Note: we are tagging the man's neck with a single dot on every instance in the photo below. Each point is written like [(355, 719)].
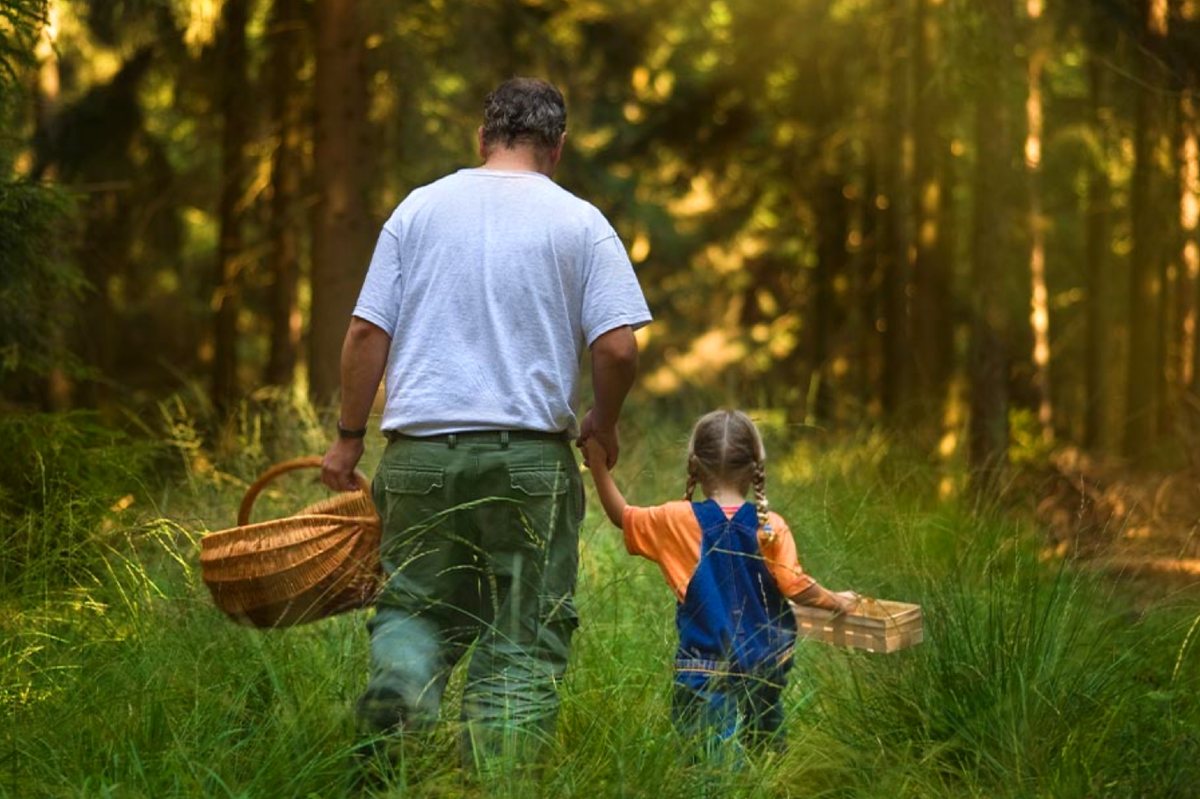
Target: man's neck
[(518, 159)]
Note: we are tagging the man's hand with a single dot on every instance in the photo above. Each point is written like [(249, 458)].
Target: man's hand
[(606, 437), (337, 468)]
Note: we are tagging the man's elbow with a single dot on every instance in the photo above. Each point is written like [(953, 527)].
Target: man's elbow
[(362, 332), (616, 349)]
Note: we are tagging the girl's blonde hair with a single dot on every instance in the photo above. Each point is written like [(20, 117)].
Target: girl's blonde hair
[(725, 446)]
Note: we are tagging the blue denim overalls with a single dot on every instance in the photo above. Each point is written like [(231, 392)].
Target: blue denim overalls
[(736, 637)]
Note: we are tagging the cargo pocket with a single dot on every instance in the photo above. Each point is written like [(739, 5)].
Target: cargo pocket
[(543, 499), (560, 619), (411, 551), (412, 496)]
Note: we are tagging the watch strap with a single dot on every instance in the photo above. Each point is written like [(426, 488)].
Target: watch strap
[(344, 433)]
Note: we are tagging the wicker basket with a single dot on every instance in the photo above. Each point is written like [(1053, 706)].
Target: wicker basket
[(878, 625), (319, 562)]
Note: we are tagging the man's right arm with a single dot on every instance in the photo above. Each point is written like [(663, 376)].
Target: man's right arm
[(614, 366), (364, 359)]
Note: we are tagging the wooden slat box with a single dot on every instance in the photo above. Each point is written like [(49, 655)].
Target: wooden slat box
[(878, 625)]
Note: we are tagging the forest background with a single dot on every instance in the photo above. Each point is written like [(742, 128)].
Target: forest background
[(946, 251)]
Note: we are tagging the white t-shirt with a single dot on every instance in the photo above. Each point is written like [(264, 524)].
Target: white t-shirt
[(491, 284)]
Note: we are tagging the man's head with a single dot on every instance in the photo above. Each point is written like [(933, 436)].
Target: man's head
[(524, 112)]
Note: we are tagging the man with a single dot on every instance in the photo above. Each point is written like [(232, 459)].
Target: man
[(484, 288)]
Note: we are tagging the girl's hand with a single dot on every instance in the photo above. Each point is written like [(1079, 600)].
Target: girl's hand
[(847, 601), (595, 457), (611, 498)]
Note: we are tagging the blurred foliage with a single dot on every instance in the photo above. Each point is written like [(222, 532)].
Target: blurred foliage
[(65, 481), (23, 21), (33, 280), (746, 151), (36, 270)]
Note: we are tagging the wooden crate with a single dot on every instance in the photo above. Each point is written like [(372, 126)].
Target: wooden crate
[(878, 625)]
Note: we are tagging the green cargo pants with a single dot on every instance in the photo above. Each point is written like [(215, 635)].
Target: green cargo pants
[(480, 542)]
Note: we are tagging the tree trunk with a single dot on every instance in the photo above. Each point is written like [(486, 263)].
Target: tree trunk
[(59, 387), (235, 110), (931, 329), (865, 293), (1145, 288), (342, 231), (1039, 316), (831, 262), (1189, 226), (992, 257), (287, 30), (1098, 244), (1189, 218), (895, 225)]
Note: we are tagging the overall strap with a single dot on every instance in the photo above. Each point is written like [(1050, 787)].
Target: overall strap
[(709, 515)]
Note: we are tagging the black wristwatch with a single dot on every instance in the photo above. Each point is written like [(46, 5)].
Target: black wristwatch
[(344, 433)]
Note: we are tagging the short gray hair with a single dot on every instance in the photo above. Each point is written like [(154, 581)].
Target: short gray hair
[(524, 111)]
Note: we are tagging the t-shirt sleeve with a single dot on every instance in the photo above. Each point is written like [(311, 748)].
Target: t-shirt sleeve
[(640, 526), (612, 297), (782, 560), (668, 535), (379, 300)]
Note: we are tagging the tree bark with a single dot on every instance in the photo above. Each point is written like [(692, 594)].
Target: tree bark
[(931, 329), (58, 389), (1039, 312), (896, 221), (1189, 218), (992, 255), (1145, 289), (1098, 244), (1189, 224), (831, 262), (865, 293), (235, 115), (342, 230), (287, 30)]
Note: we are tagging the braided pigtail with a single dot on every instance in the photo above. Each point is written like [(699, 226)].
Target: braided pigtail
[(760, 502), (692, 479)]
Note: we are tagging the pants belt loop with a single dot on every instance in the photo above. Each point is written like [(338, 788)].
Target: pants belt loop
[(503, 439), (452, 440)]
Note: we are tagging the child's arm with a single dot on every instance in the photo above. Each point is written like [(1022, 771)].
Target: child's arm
[(780, 553), (610, 496), (818, 597)]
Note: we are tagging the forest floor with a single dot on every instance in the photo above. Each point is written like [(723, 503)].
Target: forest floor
[(1141, 528)]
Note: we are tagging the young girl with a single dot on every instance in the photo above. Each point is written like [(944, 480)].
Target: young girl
[(733, 567)]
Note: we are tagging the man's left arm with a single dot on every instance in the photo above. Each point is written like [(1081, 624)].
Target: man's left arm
[(364, 359)]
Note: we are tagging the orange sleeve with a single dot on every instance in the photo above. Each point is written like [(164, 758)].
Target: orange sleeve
[(782, 560), (639, 525), (667, 534)]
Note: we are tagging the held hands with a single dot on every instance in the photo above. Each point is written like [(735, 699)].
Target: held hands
[(605, 435), (595, 457), (337, 467), (611, 499)]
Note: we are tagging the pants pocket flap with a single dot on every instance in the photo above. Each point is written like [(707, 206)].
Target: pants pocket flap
[(412, 480), (539, 482)]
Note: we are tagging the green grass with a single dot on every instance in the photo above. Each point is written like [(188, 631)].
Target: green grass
[(122, 680)]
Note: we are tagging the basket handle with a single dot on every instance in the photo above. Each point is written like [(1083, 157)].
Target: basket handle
[(307, 462)]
